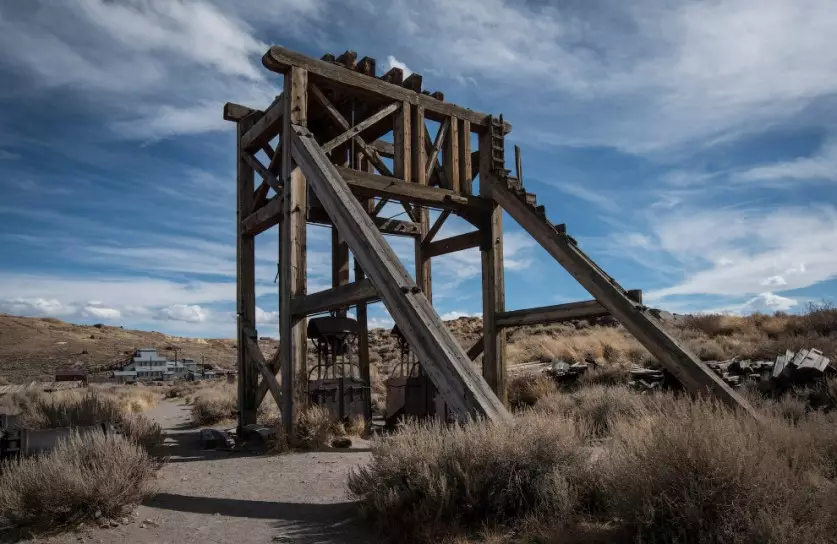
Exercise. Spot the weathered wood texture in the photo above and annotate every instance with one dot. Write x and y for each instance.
(257, 359)
(265, 174)
(293, 256)
(444, 360)
(552, 314)
(264, 218)
(246, 283)
(267, 127)
(339, 296)
(453, 244)
(279, 59)
(687, 368)
(493, 285)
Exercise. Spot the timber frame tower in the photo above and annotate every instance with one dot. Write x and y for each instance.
(319, 150)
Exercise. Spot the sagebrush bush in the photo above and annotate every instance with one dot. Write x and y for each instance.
(595, 407)
(528, 389)
(82, 476)
(430, 480)
(213, 405)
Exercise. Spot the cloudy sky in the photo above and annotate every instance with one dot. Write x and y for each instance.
(689, 146)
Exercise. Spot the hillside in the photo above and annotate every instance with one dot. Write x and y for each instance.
(33, 347)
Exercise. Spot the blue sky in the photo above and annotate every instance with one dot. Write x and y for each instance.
(689, 146)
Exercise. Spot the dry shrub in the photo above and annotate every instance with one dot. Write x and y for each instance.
(431, 481)
(215, 404)
(595, 408)
(606, 375)
(142, 430)
(314, 428)
(527, 390)
(181, 390)
(699, 473)
(81, 477)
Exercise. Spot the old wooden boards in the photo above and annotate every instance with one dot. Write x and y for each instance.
(687, 368)
(465, 391)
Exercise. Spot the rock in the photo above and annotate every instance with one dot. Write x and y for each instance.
(142, 526)
(341, 442)
(114, 523)
(98, 514)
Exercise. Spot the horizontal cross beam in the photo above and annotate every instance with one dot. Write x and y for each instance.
(453, 244)
(553, 314)
(280, 60)
(336, 298)
(263, 218)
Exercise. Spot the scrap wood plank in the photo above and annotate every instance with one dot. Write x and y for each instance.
(464, 390)
(687, 368)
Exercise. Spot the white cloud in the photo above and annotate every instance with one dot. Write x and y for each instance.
(266, 318)
(822, 165)
(450, 316)
(593, 197)
(393, 62)
(98, 310)
(189, 313)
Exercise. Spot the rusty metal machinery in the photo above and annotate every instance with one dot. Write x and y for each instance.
(410, 392)
(335, 382)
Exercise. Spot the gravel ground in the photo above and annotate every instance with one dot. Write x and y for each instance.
(208, 496)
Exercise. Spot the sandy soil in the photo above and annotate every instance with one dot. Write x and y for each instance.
(212, 496)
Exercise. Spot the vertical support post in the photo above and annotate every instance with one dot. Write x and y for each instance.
(450, 156)
(402, 141)
(419, 168)
(493, 288)
(339, 247)
(248, 379)
(362, 313)
(465, 170)
(293, 261)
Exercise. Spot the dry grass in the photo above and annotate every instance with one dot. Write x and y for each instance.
(214, 404)
(83, 476)
(527, 390)
(671, 469)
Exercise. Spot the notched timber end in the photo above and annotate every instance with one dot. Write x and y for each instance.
(236, 112)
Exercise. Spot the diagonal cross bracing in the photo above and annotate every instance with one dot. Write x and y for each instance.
(464, 390)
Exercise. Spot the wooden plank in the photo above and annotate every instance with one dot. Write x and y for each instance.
(267, 127)
(395, 227)
(371, 185)
(493, 286)
(236, 112)
(437, 145)
(279, 59)
(687, 368)
(450, 156)
(476, 350)
(339, 264)
(453, 244)
(264, 218)
(518, 164)
(447, 365)
(341, 121)
(338, 297)
(293, 257)
(413, 82)
(402, 143)
(438, 174)
(260, 196)
(384, 148)
(361, 311)
(466, 172)
(265, 174)
(394, 76)
(268, 377)
(437, 226)
(245, 283)
(357, 129)
(552, 314)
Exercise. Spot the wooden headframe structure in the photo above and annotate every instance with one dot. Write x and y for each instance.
(319, 150)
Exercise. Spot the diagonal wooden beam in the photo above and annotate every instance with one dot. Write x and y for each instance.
(267, 127)
(269, 178)
(260, 196)
(263, 218)
(360, 127)
(338, 118)
(453, 244)
(437, 146)
(275, 166)
(477, 349)
(268, 377)
(437, 226)
(439, 177)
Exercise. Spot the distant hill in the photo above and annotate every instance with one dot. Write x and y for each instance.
(33, 347)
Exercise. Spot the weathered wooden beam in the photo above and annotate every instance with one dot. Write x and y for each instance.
(413, 82)
(477, 349)
(438, 175)
(361, 311)
(437, 146)
(437, 226)
(341, 121)
(450, 156)
(357, 129)
(475, 163)
(395, 227)
(279, 59)
(453, 244)
(268, 378)
(263, 218)
(466, 170)
(687, 368)
(552, 314)
(293, 256)
(494, 368)
(394, 76)
(265, 174)
(371, 185)
(341, 296)
(260, 195)
(267, 127)
(447, 365)
(245, 282)
(236, 112)
(384, 148)
(518, 164)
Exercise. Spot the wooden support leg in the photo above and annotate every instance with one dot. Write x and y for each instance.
(362, 312)
(493, 287)
(293, 257)
(246, 286)
(339, 248)
(415, 149)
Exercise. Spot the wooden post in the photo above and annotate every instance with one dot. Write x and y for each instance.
(362, 312)
(450, 157)
(466, 175)
(493, 288)
(419, 175)
(293, 257)
(248, 377)
(339, 248)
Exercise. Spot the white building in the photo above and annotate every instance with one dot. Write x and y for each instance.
(147, 365)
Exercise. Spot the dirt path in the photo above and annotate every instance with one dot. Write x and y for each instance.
(208, 496)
